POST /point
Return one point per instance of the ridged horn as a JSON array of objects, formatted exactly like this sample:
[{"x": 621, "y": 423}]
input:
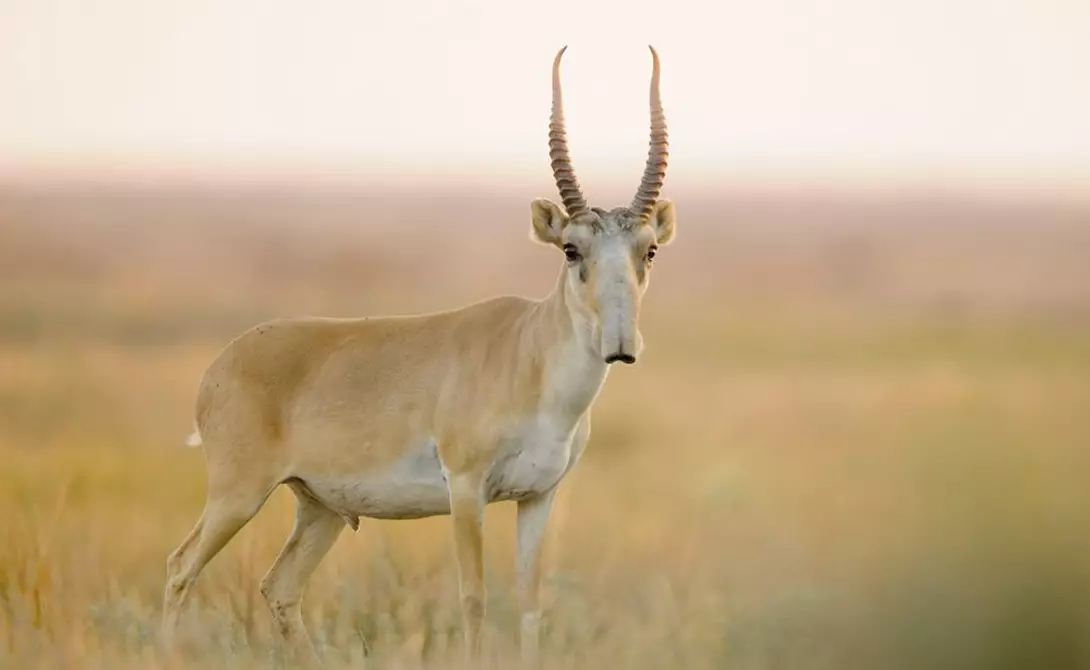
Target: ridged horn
[
  {"x": 563, "y": 172},
  {"x": 658, "y": 153}
]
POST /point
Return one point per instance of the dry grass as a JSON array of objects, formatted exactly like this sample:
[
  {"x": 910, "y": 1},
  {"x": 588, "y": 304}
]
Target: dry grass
[{"x": 850, "y": 444}]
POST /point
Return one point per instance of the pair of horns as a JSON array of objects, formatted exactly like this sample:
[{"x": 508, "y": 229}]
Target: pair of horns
[{"x": 563, "y": 172}]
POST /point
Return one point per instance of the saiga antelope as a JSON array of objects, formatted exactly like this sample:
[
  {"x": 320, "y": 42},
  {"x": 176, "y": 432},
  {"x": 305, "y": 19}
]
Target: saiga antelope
[{"x": 404, "y": 417}]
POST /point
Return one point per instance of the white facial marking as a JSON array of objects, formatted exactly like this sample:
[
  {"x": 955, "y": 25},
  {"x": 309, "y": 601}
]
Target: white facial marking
[{"x": 616, "y": 289}]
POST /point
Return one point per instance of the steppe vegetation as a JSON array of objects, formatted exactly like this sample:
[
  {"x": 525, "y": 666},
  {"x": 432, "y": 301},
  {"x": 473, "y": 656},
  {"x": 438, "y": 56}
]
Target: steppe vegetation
[{"x": 859, "y": 436}]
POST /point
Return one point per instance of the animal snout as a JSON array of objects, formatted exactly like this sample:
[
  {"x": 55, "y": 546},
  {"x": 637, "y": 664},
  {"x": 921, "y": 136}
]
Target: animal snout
[{"x": 622, "y": 357}]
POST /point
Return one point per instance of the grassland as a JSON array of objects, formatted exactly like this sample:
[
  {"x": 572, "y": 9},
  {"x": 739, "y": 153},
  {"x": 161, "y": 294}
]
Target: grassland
[{"x": 859, "y": 437}]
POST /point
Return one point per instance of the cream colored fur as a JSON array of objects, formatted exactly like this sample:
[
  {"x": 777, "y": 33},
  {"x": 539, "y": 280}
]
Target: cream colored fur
[{"x": 405, "y": 417}]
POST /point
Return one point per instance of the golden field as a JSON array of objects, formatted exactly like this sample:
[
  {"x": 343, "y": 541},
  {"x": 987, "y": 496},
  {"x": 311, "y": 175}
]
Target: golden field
[{"x": 859, "y": 436}]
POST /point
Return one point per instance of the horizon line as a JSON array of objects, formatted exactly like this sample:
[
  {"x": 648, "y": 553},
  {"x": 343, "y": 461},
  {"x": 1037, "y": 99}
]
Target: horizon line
[{"x": 1069, "y": 184}]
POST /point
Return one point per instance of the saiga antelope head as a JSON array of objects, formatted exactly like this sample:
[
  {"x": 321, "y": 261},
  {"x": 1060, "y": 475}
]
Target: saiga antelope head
[{"x": 609, "y": 252}]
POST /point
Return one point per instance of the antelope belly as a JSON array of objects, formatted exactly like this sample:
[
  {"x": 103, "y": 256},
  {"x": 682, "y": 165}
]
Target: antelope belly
[{"x": 411, "y": 487}]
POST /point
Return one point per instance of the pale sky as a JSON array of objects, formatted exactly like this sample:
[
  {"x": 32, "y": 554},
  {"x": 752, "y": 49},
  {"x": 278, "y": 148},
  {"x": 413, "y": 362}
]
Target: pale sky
[{"x": 899, "y": 89}]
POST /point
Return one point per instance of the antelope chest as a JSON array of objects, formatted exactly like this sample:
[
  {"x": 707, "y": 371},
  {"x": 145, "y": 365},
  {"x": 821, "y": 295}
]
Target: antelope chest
[{"x": 531, "y": 459}]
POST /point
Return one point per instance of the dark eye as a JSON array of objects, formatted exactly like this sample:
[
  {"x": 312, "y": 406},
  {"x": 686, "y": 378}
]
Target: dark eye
[
  {"x": 651, "y": 253},
  {"x": 572, "y": 253}
]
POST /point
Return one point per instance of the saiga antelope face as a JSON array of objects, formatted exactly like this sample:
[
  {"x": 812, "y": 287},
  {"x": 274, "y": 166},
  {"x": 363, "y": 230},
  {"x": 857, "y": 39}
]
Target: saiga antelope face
[{"x": 609, "y": 253}]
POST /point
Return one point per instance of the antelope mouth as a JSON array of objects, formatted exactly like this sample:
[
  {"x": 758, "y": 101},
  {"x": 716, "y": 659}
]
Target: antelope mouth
[{"x": 620, "y": 357}]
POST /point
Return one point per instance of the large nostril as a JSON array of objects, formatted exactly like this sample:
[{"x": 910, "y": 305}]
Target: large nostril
[{"x": 622, "y": 357}]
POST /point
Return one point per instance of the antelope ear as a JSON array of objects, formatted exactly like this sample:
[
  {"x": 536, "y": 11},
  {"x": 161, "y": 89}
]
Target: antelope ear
[
  {"x": 548, "y": 221},
  {"x": 663, "y": 221}
]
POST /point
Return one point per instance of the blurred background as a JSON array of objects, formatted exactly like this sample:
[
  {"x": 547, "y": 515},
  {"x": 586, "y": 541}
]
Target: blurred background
[{"x": 858, "y": 437}]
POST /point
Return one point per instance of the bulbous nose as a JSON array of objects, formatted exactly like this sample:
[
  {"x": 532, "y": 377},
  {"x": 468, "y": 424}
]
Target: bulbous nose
[{"x": 622, "y": 357}]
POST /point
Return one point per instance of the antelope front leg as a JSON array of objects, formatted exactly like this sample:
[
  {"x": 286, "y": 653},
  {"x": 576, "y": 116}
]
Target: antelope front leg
[
  {"x": 533, "y": 517},
  {"x": 467, "y": 513}
]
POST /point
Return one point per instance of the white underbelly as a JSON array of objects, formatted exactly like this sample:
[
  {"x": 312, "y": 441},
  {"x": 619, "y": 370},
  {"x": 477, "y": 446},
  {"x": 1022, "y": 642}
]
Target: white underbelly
[
  {"x": 411, "y": 487},
  {"x": 415, "y": 485}
]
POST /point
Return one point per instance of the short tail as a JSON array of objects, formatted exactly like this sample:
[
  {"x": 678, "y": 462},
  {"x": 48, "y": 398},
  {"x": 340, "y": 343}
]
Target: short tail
[{"x": 194, "y": 439}]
